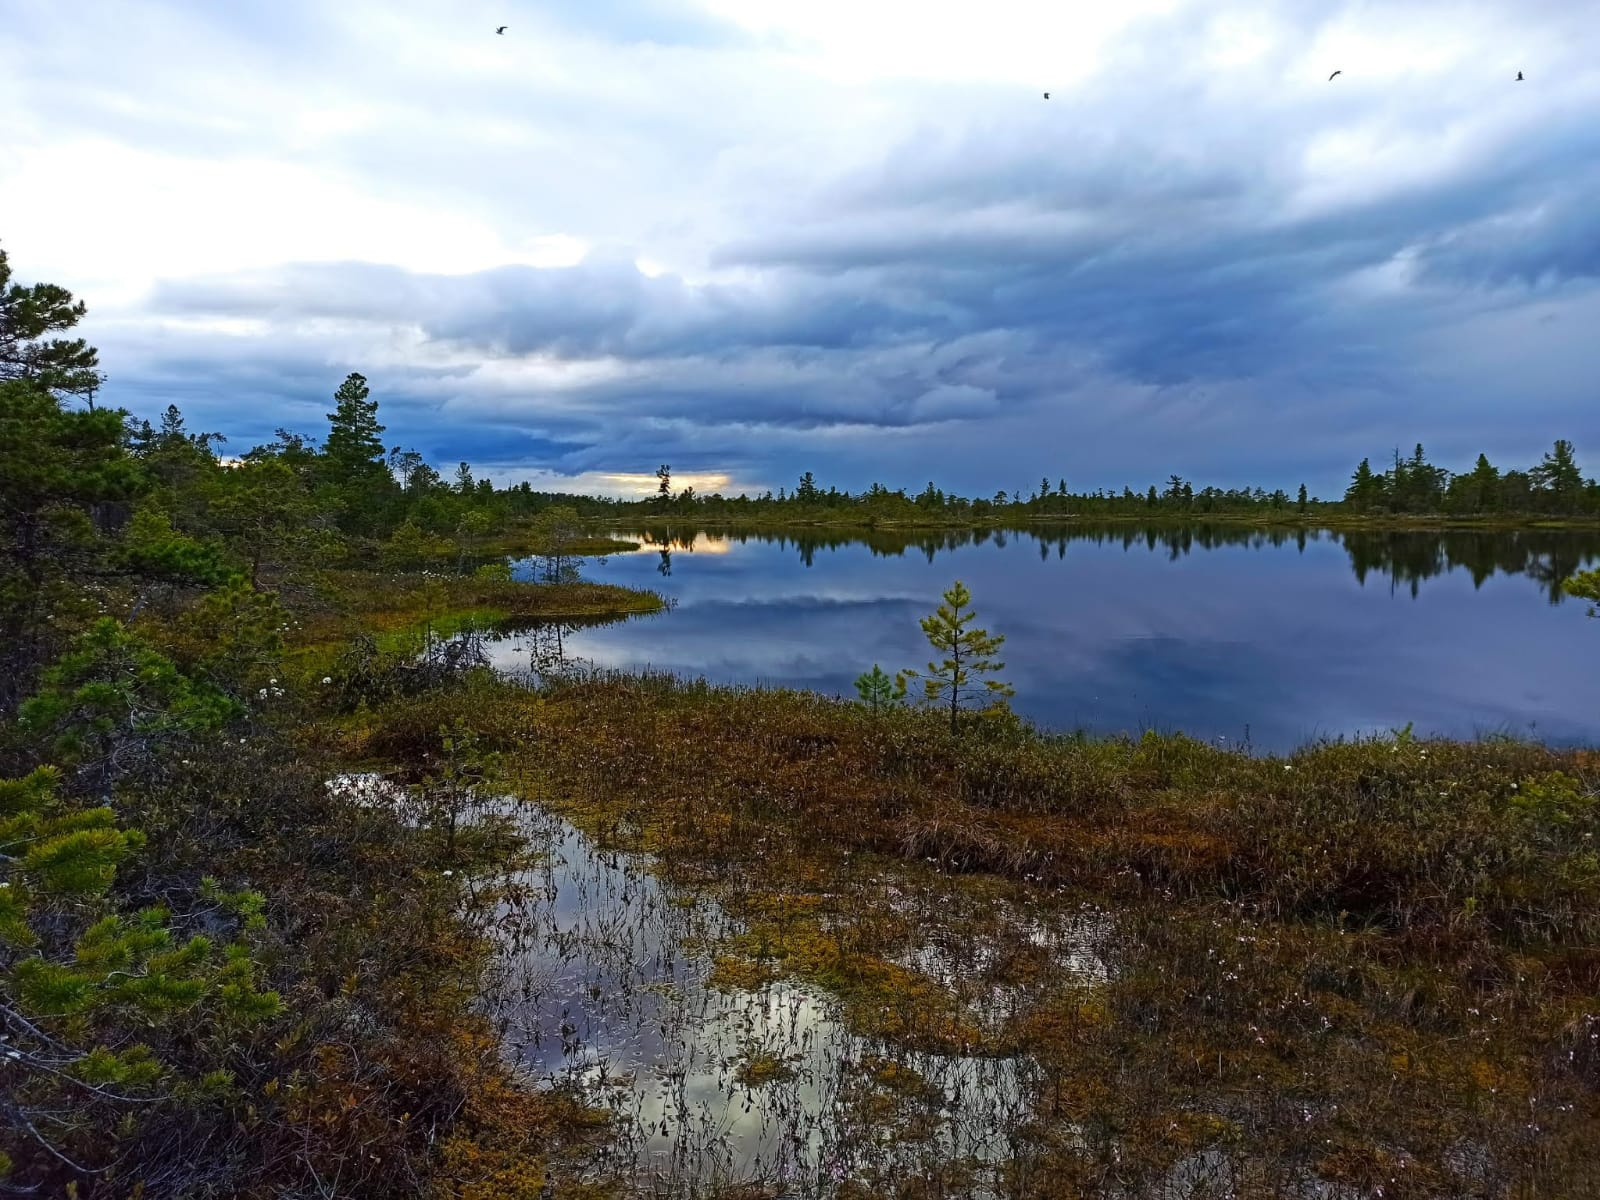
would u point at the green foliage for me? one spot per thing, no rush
(79, 974)
(113, 689)
(410, 546)
(474, 523)
(555, 531)
(1586, 586)
(27, 315)
(450, 793)
(153, 549)
(58, 468)
(267, 516)
(353, 449)
(48, 850)
(953, 681)
(235, 635)
(878, 691)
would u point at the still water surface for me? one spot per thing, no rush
(1226, 634)
(603, 986)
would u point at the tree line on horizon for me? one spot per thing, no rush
(1411, 485)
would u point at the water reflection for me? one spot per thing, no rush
(1405, 557)
(603, 988)
(1265, 636)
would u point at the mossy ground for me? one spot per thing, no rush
(1374, 963)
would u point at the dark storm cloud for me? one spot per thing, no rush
(604, 306)
(1213, 266)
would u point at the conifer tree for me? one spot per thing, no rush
(953, 682)
(354, 448)
(27, 315)
(1558, 479)
(1365, 487)
(878, 691)
(80, 973)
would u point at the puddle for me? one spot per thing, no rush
(601, 986)
(708, 1088)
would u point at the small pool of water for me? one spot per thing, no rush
(603, 987)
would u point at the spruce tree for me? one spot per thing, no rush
(1558, 479)
(1365, 487)
(354, 449)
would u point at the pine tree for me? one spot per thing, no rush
(968, 653)
(27, 314)
(354, 448)
(76, 966)
(878, 691)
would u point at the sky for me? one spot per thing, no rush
(750, 238)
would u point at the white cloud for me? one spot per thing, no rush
(783, 233)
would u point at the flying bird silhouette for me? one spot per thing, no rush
(1047, 94)
(1519, 77)
(1330, 77)
(502, 29)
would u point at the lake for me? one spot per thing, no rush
(1268, 639)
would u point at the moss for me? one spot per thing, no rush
(757, 1068)
(1389, 944)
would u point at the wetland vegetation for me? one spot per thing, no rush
(301, 896)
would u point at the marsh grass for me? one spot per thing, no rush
(1368, 965)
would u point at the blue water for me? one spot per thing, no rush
(1269, 641)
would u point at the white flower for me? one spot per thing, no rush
(327, 679)
(262, 693)
(272, 681)
(448, 874)
(1287, 767)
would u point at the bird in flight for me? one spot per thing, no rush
(502, 29)
(1047, 94)
(1519, 77)
(1330, 77)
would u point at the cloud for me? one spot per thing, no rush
(754, 239)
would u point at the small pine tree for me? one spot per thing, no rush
(968, 653)
(87, 982)
(878, 691)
